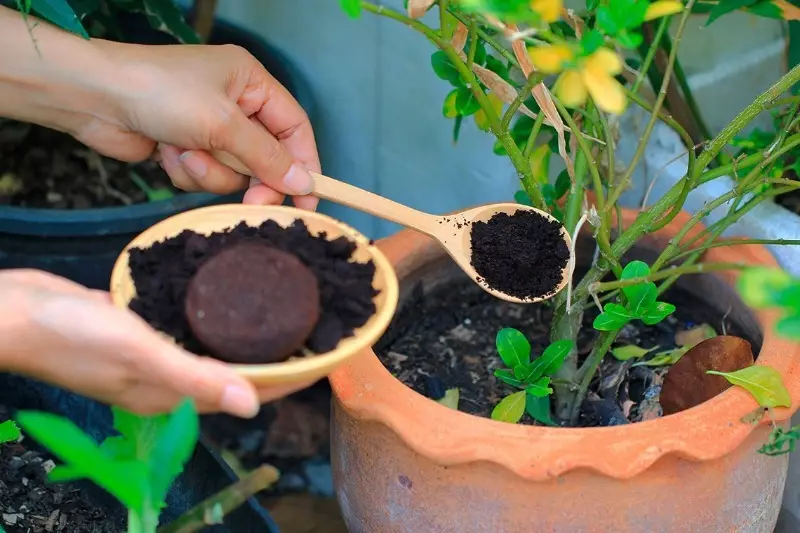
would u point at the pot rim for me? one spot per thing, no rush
(369, 392)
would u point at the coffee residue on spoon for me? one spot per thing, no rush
(162, 273)
(522, 254)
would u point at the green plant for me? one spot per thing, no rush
(531, 376)
(99, 18)
(139, 465)
(546, 81)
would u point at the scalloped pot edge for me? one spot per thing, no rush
(372, 408)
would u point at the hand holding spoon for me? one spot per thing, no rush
(453, 232)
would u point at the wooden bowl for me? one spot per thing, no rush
(208, 220)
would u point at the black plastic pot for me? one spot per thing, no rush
(204, 475)
(83, 244)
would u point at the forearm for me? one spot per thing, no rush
(51, 77)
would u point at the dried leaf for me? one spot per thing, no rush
(545, 100)
(790, 12)
(418, 8)
(450, 398)
(460, 37)
(695, 335)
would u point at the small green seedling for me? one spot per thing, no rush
(533, 377)
(641, 302)
(137, 467)
(153, 194)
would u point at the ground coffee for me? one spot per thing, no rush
(522, 255)
(162, 272)
(252, 303)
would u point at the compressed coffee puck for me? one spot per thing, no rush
(253, 304)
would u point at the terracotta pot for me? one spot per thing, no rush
(404, 463)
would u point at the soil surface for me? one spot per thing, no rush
(446, 339)
(44, 168)
(162, 273)
(28, 504)
(527, 262)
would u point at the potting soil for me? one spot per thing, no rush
(522, 255)
(162, 272)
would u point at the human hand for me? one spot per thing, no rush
(73, 337)
(188, 100)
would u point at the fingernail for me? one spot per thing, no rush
(298, 181)
(194, 165)
(239, 401)
(170, 157)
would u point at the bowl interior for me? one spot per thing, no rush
(208, 220)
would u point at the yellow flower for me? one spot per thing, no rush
(550, 58)
(549, 10)
(594, 76)
(662, 8)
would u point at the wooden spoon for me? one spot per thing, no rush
(452, 231)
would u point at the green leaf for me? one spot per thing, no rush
(466, 104)
(764, 383)
(766, 9)
(763, 287)
(457, 127)
(166, 16)
(9, 431)
(591, 41)
(665, 358)
(538, 408)
(513, 348)
(789, 327)
(727, 6)
(498, 67)
(521, 197)
(624, 353)
(351, 7)
(450, 398)
(657, 312)
(629, 39)
(642, 295)
(443, 67)
(507, 376)
(510, 408)
(552, 358)
(173, 448)
(540, 388)
(449, 108)
(614, 316)
(562, 185)
(60, 13)
(125, 481)
(606, 22)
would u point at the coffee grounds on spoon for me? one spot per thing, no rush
(162, 272)
(522, 255)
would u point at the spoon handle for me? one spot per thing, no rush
(352, 196)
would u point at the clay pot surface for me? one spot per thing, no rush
(404, 463)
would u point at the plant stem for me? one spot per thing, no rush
(667, 272)
(411, 23)
(532, 81)
(644, 68)
(588, 370)
(737, 242)
(203, 11)
(537, 127)
(662, 94)
(222, 503)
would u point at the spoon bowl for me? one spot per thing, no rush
(454, 231)
(208, 220)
